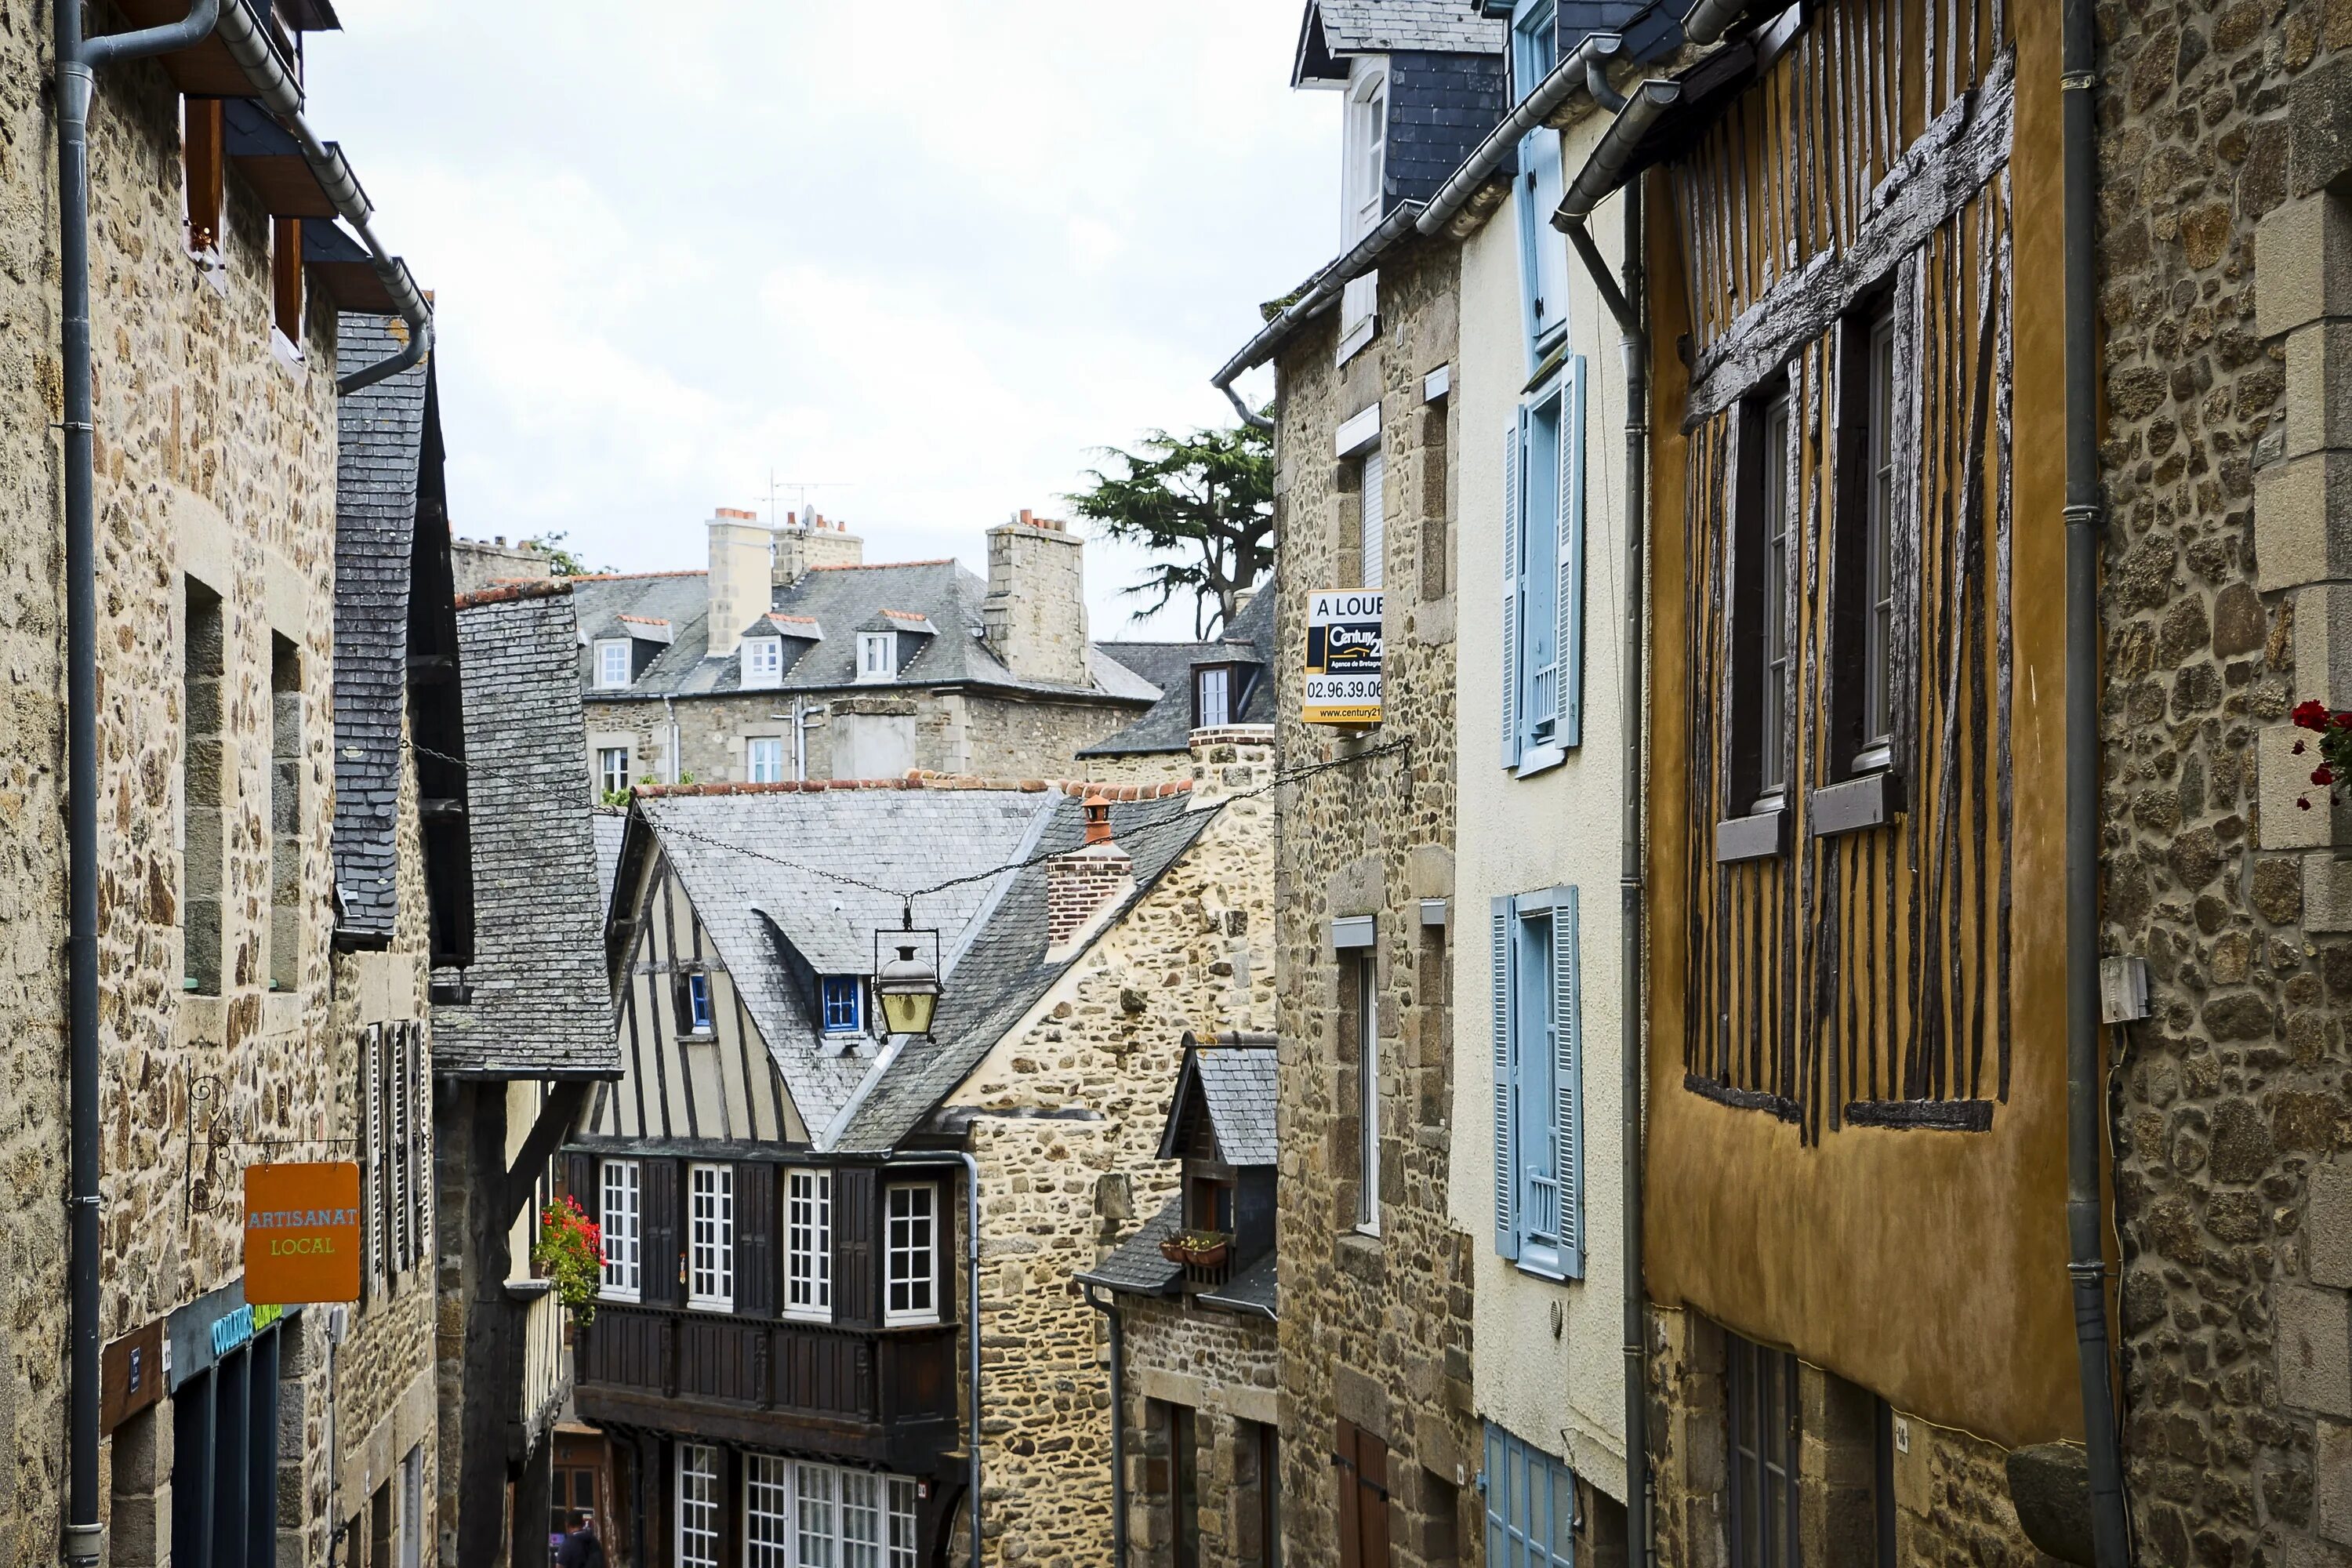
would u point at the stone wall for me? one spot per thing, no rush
(1220, 1366)
(956, 732)
(1035, 610)
(1074, 1098)
(2227, 274)
(1374, 1329)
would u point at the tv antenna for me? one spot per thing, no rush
(801, 488)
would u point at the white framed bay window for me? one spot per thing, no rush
(710, 1248)
(697, 1506)
(622, 1185)
(808, 1250)
(802, 1514)
(911, 1283)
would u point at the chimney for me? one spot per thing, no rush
(1234, 760)
(738, 576)
(1036, 611)
(811, 539)
(1085, 883)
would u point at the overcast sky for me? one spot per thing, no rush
(931, 253)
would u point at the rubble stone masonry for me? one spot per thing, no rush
(2226, 259)
(1221, 1366)
(1375, 1328)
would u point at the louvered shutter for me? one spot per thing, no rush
(855, 1285)
(580, 1182)
(755, 1239)
(1507, 1218)
(1510, 673)
(1569, 649)
(370, 1118)
(1374, 566)
(659, 1226)
(420, 1138)
(1568, 1079)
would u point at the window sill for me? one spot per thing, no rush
(805, 1315)
(1534, 760)
(1761, 836)
(925, 1320)
(1550, 1272)
(708, 1304)
(289, 358)
(1874, 800)
(620, 1296)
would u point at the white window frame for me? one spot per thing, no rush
(698, 1462)
(1366, 974)
(761, 663)
(816, 1515)
(877, 655)
(808, 1245)
(702, 1010)
(767, 1512)
(1371, 537)
(620, 1218)
(710, 1238)
(612, 676)
(859, 1496)
(1212, 695)
(763, 759)
(897, 1254)
(607, 781)
(899, 1521)
(1363, 174)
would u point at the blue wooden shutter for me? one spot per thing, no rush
(1569, 650)
(1507, 1228)
(1568, 1079)
(1510, 672)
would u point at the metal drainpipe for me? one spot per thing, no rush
(971, 1328)
(1109, 1309)
(78, 60)
(2086, 1089)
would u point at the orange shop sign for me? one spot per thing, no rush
(302, 1233)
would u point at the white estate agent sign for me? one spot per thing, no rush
(1343, 658)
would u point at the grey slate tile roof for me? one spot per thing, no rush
(1251, 1290)
(1233, 1086)
(542, 999)
(1003, 969)
(608, 823)
(380, 453)
(1436, 26)
(838, 598)
(1167, 724)
(726, 849)
(1135, 1264)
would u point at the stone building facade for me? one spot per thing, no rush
(1375, 1330)
(2225, 167)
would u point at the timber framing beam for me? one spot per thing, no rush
(556, 1115)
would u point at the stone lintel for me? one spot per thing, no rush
(2303, 520)
(2303, 264)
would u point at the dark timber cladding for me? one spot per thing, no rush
(1855, 174)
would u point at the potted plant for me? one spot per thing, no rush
(1201, 1248)
(2334, 729)
(571, 1250)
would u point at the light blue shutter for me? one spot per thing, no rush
(1568, 1080)
(1569, 650)
(1511, 593)
(1506, 1229)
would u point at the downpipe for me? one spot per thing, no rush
(77, 61)
(2085, 1088)
(1109, 1309)
(971, 1332)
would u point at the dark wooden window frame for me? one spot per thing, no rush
(1760, 830)
(1762, 1447)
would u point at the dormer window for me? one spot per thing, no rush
(1364, 180)
(696, 1007)
(763, 662)
(1212, 695)
(611, 663)
(877, 655)
(841, 997)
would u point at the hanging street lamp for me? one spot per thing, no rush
(909, 985)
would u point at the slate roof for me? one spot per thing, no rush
(608, 823)
(1167, 724)
(1229, 1078)
(1251, 1290)
(730, 850)
(541, 999)
(1003, 969)
(941, 594)
(1135, 1264)
(1435, 26)
(380, 455)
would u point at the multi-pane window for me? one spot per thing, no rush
(710, 1250)
(877, 655)
(698, 1003)
(861, 1520)
(1543, 573)
(1366, 156)
(619, 1219)
(1870, 382)
(1530, 1505)
(841, 993)
(763, 662)
(613, 663)
(612, 769)
(1538, 1084)
(808, 1235)
(1772, 613)
(900, 1524)
(1761, 1410)
(911, 1240)
(767, 1512)
(817, 1489)
(697, 1506)
(763, 757)
(1213, 688)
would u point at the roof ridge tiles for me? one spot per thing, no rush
(881, 566)
(920, 779)
(636, 576)
(508, 593)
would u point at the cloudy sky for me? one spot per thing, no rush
(930, 254)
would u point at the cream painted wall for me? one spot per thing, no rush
(1556, 1382)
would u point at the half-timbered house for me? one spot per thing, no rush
(782, 1362)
